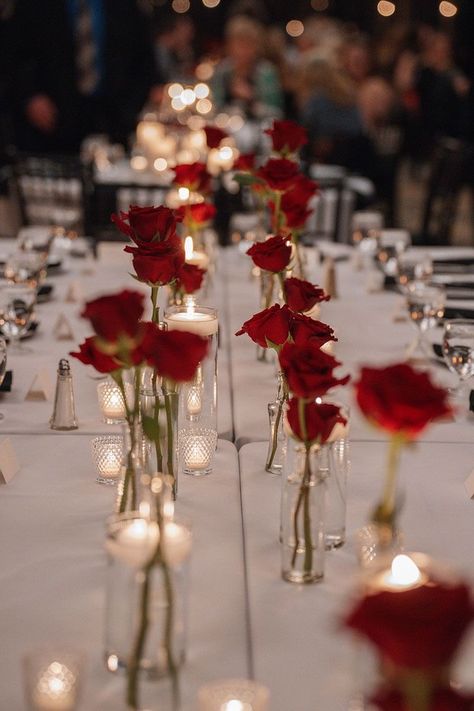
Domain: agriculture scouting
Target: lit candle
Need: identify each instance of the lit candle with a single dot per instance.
(233, 695)
(403, 574)
(199, 259)
(107, 454)
(194, 400)
(197, 456)
(111, 400)
(56, 689)
(194, 320)
(136, 543)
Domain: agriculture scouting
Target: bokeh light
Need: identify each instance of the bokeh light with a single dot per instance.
(294, 28)
(447, 9)
(386, 8)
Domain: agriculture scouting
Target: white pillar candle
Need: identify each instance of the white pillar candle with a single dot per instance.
(136, 542)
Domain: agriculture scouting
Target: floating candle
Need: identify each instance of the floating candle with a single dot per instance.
(403, 574)
(136, 542)
(197, 320)
(192, 256)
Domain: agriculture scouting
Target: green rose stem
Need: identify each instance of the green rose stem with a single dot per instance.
(303, 499)
(156, 418)
(170, 437)
(155, 314)
(277, 211)
(295, 238)
(385, 512)
(282, 398)
(158, 559)
(131, 416)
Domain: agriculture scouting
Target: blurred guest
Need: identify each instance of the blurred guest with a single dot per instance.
(357, 60)
(280, 54)
(174, 52)
(81, 66)
(244, 78)
(329, 111)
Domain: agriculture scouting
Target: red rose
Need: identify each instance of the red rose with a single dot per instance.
(268, 326)
(440, 700)
(245, 162)
(296, 217)
(304, 329)
(89, 354)
(201, 212)
(416, 629)
(279, 173)
(190, 278)
(287, 136)
(115, 316)
(158, 269)
(400, 399)
(308, 370)
(214, 136)
(300, 193)
(319, 420)
(147, 226)
(175, 354)
(193, 176)
(273, 255)
(301, 295)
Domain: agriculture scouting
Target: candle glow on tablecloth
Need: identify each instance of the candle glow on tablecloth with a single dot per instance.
(55, 689)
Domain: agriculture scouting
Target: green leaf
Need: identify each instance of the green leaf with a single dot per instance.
(245, 179)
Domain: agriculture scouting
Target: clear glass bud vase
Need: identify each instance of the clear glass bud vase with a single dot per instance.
(134, 466)
(303, 508)
(334, 466)
(277, 441)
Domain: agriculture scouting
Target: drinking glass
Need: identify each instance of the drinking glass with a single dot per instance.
(413, 266)
(425, 303)
(25, 268)
(3, 364)
(458, 352)
(366, 227)
(391, 244)
(17, 303)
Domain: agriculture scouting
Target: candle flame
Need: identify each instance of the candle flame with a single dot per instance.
(188, 247)
(404, 571)
(183, 194)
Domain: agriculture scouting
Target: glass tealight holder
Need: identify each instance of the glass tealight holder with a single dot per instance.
(196, 449)
(53, 679)
(111, 401)
(233, 695)
(107, 453)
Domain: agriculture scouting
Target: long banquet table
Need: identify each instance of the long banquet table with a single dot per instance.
(244, 620)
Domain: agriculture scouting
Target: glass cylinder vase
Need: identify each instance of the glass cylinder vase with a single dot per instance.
(334, 466)
(277, 440)
(134, 466)
(303, 507)
(145, 598)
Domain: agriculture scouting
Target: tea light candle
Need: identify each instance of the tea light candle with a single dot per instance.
(403, 574)
(233, 695)
(137, 541)
(111, 400)
(194, 400)
(55, 690)
(197, 456)
(197, 258)
(203, 323)
(107, 452)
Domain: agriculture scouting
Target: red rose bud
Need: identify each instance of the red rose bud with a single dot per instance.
(175, 355)
(147, 226)
(89, 354)
(300, 193)
(319, 420)
(304, 329)
(279, 173)
(287, 136)
(214, 136)
(273, 255)
(440, 700)
(400, 399)
(157, 270)
(301, 295)
(245, 162)
(193, 176)
(201, 212)
(417, 629)
(296, 217)
(115, 316)
(308, 370)
(268, 327)
(189, 278)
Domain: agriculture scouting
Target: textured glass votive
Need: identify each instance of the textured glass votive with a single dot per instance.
(111, 401)
(107, 453)
(196, 450)
(233, 695)
(53, 679)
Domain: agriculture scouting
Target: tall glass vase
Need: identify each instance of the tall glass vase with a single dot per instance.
(277, 440)
(334, 466)
(134, 466)
(267, 291)
(146, 610)
(303, 508)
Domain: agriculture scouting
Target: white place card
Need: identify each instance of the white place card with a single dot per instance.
(9, 465)
(469, 485)
(41, 388)
(62, 329)
(74, 294)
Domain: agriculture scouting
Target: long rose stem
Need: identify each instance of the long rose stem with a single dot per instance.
(170, 441)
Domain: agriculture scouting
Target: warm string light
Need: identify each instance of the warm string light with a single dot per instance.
(447, 9)
(294, 28)
(386, 8)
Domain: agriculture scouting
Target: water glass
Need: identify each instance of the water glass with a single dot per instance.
(17, 303)
(26, 268)
(413, 266)
(458, 351)
(3, 364)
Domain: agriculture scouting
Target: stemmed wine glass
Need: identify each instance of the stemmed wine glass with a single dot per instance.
(3, 364)
(458, 352)
(25, 267)
(17, 303)
(425, 303)
(413, 266)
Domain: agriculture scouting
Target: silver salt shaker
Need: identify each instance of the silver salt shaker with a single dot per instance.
(64, 414)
